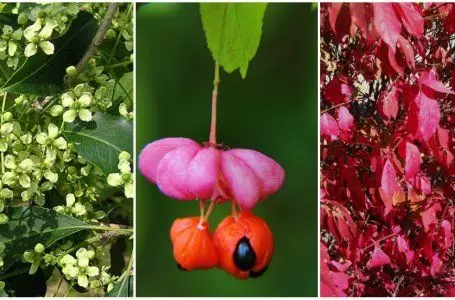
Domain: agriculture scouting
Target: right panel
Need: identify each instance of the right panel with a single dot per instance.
(387, 147)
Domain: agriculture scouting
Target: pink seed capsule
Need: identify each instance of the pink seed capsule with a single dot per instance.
(186, 170)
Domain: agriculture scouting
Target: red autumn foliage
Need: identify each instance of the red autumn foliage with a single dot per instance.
(387, 149)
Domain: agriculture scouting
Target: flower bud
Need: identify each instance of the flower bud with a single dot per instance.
(39, 248)
(71, 71)
(110, 34)
(56, 110)
(7, 116)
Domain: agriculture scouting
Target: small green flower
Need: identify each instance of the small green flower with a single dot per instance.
(34, 257)
(37, 36)
(79, 268)
(125, 177)
(72, 207)
(77, 107)
(108, 279)
(123, 110)
(5, 130)
(9, 40)
(51, 138)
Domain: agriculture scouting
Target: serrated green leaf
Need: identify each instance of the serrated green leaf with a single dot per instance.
(123, 287)
(233, 32)
(42, 74)
(28, 226)
(101, 140)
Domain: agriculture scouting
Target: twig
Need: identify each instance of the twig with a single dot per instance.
(397, 287)
(97, 39)
(338, 105)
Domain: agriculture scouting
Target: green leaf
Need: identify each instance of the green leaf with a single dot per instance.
(121, 90)
(123, 287)
(233, 32)
(7, 19)
(100, 141)
(28, 226)
(42, 74)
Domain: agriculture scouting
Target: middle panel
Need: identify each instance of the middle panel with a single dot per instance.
(227, 150)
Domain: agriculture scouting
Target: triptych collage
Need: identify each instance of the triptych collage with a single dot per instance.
(227, 149)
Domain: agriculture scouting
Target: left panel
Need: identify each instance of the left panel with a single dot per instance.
(66, 149)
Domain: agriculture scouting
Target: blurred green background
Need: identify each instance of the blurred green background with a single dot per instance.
(273, 110)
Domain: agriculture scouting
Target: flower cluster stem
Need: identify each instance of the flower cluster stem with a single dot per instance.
(1, 121)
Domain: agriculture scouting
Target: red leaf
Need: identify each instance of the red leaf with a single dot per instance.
(429, 79)
(358, 17)
(402, 245)
(428, 117)
(329, 126)
(447, 233)
(449, 23)
(389, 104)
(340, 279)
(413, 160)
(345, 119)
(435, 265)
(393, 62)
(378, 258)
(407, 50)
(389, 179)
(337, 91)
(387, 23)
(412, 20)
(341, 267)
(429, 216)
(329, 285)
(339, 19)
(423, 184)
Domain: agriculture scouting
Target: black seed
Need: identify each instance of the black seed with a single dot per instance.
(244, 255)
(258, 274)
(181, 268)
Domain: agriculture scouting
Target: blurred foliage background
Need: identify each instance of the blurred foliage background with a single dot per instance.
(273, 110)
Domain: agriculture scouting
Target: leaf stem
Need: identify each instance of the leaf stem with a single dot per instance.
(120, 64)
(216, 81)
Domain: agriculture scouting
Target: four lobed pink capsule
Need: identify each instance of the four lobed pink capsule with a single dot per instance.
(185, 170)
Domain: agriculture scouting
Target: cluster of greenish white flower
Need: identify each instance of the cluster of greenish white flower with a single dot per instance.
(37, 26)
(35, 157)
(81, 102)
(80, 268)
(125, 177)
